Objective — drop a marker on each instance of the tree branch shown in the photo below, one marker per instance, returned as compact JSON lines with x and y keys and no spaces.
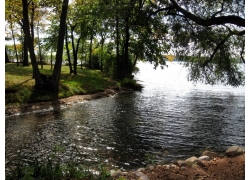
{"x":231,"y":19}
{"x":216,"y":49}
{"x":222,"y":8}
{"x":241,"y":53}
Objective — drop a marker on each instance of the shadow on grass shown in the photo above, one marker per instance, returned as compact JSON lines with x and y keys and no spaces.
{"x":15,"y":87}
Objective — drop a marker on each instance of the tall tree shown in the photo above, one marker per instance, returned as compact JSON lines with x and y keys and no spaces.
{"x":54,"y":85}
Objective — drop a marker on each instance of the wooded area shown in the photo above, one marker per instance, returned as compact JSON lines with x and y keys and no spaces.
{"x":209,"y":37}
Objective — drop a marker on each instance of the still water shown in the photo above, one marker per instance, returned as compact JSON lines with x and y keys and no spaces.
{"x":169,"y":119}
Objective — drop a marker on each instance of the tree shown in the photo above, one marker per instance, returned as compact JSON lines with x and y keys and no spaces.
{"x":208,"y":35}
{"x":42,"y":81}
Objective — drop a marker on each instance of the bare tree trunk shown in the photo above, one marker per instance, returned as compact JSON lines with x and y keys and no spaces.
{"x":90,"y":50}
{"x":25,"y":48}
{"x":126,"y":45}
{"x":39,"y":46}
{"x":13,"y":36}
{"x":36,"y":73}
{"x":51,"y":59}
{"x":58,"y":64}
{"x":67,"y":47}
{"x":117,"y":48}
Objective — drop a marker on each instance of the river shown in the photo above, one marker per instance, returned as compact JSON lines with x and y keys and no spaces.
{"x":169,"y":119}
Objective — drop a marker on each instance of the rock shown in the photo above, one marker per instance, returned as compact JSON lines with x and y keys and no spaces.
{"x":141,"y":169}
{"x":173,"y":166}
{"x":139,"y":174}
{"x":204,"y":158}
{"x":182,"y":163}
{"x":125,"y":173}
{"x":234,"y":151}
{"x":183,"y":168}
{"x":194,"y":160}
{"x":210,"y":154}
{"x":145,"y":177}
{"x":166,"y":166}
{"x":116,"y":173}
{"x":150,"y":166}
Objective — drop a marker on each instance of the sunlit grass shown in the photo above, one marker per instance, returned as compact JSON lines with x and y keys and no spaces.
{"x":19,"y":84}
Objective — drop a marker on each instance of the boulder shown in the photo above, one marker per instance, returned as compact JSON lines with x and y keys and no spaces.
{"x":234,"y":151}
{"x":210,"y":154}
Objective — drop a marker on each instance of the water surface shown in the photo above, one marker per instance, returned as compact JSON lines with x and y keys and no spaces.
{"x":170,"y":119}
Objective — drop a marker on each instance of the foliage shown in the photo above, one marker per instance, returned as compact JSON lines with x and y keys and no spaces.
{"x":149,"y":158}
{"x":128,"y":83}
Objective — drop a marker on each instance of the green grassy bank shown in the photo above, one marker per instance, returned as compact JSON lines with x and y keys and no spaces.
{"x":19,"y":84}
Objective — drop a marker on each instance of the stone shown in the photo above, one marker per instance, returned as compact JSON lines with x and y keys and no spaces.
{"x":141,"y":169}
{"x":139,"y":174}
{"x":125,"y":173}
{"x":204,"y":158}
{"x":183,"y":168}
{"x":145,"y":177}
{"x":150,"y":166}
{"x":234,"y":151}
{"x":194,"y":160}
{"x":210,"y":154}
{"x":166,"y":166}
{"x":116,"y":173}
{"x":182,"y":163}
{"x":173,"y":166}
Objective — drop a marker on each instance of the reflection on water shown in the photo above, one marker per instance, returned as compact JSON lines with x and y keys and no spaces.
{"x":170,"y":114}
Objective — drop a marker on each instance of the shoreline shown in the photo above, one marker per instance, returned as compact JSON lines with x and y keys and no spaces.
{"x":32,"y":107}
{"x":209,"y":166}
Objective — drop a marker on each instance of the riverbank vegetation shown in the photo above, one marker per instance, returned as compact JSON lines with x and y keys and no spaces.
{"x":19,"y":84}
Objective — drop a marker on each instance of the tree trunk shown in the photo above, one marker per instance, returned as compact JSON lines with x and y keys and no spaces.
{"x":36,"y":73}
{"x":51,"y":59}
{"x":25,"y":48}
{"x":90,"y":50}
{"x":74,"y":49}
{"x":39,"y":46}
{"x":59,"y":53}
{"x":117,"y":48}
{"x":67,"y":47}
{"x":6,"y":56}
{"x":126,"y":46}
{"x":13,"y":36}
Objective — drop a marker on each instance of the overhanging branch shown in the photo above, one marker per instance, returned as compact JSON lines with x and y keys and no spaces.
{"x":231,"y":19}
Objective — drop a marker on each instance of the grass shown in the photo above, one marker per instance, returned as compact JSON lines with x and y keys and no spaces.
{"x":50,"y":168}
{"x":19,"y":84}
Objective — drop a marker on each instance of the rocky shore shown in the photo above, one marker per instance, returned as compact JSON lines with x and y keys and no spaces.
{"x":210,"y":166}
